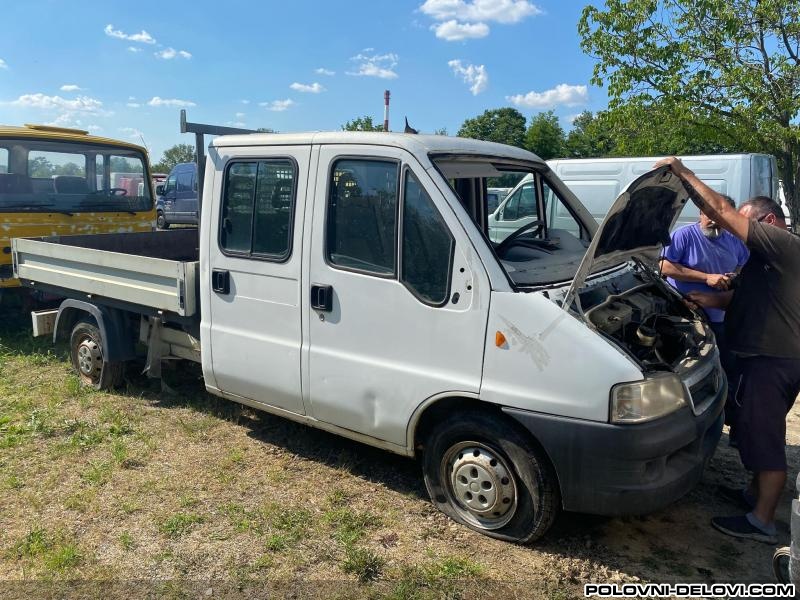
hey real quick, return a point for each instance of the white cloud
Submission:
(170, 53)
(475, 75)
(3, 64)
(375, 65)
(134, 49)
(245, 101)
(324, 71)
(133, 105)
(240, 115)
(70, 87)
(313, 88)
(499, 11)
(94, 128)
(79, 104)
(142, 37)
(236, 124)
(562, 94)
(453, 31)
(157, 101)
(277, 105)
(132, 132)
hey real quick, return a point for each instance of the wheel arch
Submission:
(117, 339)
(428, 413)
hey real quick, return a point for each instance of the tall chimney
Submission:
(386, 96)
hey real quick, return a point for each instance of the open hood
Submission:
(637, 225)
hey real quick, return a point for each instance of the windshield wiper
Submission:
(33, 207)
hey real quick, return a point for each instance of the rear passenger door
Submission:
(255, 253)
(397, 312)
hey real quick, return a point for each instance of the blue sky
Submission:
(124, 70)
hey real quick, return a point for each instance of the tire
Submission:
(86, 352)
(780, 565)
(484, 472)
(161, 221)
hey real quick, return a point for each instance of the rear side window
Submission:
(3, 160)
(362, 215)
(258, 208)
(184, 181)
(427, 245)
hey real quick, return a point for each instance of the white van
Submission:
(553, 370)
(598, 181)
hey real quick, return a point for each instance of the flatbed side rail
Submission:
(166, 285)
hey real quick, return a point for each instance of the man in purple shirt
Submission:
(704, 258)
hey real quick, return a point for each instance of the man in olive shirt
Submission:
(762, 324)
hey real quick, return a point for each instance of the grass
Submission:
(362, 563)
(43, 550)
(179, 524)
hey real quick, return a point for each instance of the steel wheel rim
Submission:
(89, 359)
(480, 484)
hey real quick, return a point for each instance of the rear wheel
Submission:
(483, 472)
(86, 352)
(161, 221)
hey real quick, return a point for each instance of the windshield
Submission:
(70, 177)
(535, 234)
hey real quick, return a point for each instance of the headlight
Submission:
(647, 400)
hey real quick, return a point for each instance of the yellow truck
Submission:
(59, 181)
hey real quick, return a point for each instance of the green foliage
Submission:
(545, 136)
(732, 64)
(179, 153)
(178, 524)
(362, 124)
(502, 125)
(363, 563)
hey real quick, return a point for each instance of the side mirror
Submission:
(160, 190)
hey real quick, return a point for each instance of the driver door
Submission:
(517, 210)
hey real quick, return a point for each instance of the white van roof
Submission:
(414, 143)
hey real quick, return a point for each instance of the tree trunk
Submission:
(789, 171)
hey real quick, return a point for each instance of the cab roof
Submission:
(64, 134)
(415, 143)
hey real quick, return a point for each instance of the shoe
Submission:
(738, 496)
(741, 527)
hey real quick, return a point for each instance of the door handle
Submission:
(322, 297)
(221, 281)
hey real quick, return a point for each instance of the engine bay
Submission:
(650, 323)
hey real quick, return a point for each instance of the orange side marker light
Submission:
(499, 339)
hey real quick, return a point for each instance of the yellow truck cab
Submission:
(58, 181)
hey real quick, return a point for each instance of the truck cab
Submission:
(347, 281)
(177, 197)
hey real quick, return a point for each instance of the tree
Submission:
(179, 153)
(545, 136)
(734, 64)
(502, 125)
(362, 124)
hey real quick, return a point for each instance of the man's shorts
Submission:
(766, 391)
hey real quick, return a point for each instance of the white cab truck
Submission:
(598, 181)
(346, 280)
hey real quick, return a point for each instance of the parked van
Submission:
(598, 182)
(59, 181)
(177, 197)
(345, 280)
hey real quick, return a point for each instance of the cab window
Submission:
(362, 215)
(184, 181)
(521, 204)
(558, 215)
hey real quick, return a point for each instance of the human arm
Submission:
(719, 300)
(680, 272)
(709, 201)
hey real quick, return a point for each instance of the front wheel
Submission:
(86, 352)
(161, 221)
(780, 565)
(483, 472)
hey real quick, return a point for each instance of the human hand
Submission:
(717, 281)
(675, 165)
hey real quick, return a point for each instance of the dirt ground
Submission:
(185, 495)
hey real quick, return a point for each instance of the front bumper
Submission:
(610, 469)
